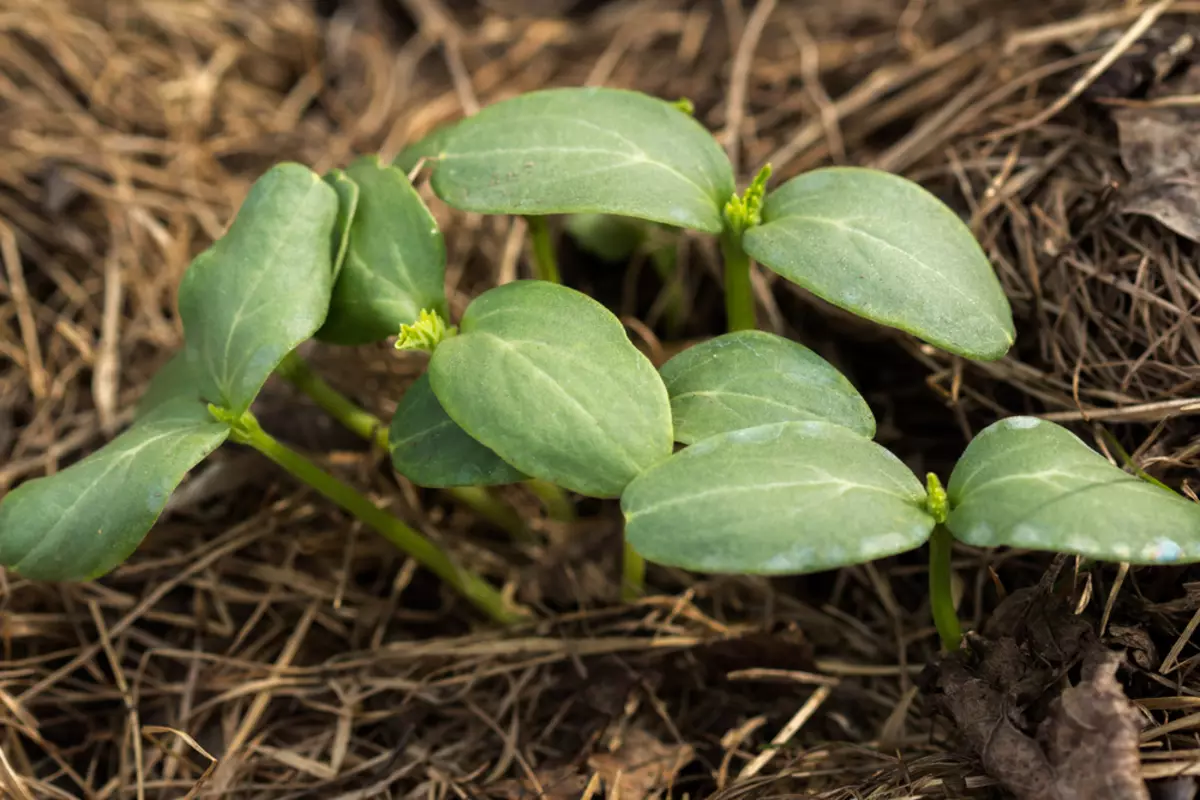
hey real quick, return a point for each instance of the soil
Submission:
(261, 645)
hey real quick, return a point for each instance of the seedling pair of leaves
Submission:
(347, 258)
(867, 241)
(781, 476)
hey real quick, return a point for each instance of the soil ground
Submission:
(260, 645)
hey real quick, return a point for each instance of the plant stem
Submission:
(739, 292)
(633, 574)
(296, 371)
(487, 505)
(471, 586)
(941, 591)
(544, 262)
(558, 505)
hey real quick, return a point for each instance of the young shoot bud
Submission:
(745, 212)
(937, 505)
(243, 426)
(426, 333)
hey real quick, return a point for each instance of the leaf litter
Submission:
(310, 662)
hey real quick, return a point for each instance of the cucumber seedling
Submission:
(305, 256)
(780, 476)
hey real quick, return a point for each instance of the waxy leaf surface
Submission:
(787, 498)
(86, 520)
(884, 248)
(347, 191)
(395, 264)
(751, 378)
(547, 378)
(1031, 484)
(261, 289)
(574, 150)
(431, 450)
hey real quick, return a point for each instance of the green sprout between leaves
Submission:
(425, 334)
(540, 385)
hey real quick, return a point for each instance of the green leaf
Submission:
(751, 378)
(174, 379)
(86, 520)
(787, 498)
(1028, 483)
(606, 236)
(261, 289)
(431, 450)
(395, 265)
(884, 248)
(428, 148)
(347, 191)
(579, 150)
(547, 378)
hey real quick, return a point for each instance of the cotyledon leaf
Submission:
(84, 521)
(577, 150)
(395, 265)
(882, 247)
(546, 377)
(786, 498)
(347, 191)
(262, 288)
(751, 378)
(1029, 483)
(431, 450)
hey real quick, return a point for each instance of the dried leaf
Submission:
(642, 767)
(1160, 148)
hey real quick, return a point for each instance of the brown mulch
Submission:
(260, 645)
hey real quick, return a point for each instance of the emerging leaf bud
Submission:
(426, 333)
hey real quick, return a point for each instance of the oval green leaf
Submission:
(86, 520)
(347, 191)
(787, 498)
(1028, 483)
(751, 378)
(884, 248)
(431, 450)
(546, 377)
(261, 289)
(578, 150)
(395, 264)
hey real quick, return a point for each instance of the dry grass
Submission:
(260, 645)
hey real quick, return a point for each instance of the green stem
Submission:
(633, 574)
(487, 505)
(941, 592)
(545, 263)
(558, 506)
(665, 260)
(296, 371)
(739, 291)
(471, 586)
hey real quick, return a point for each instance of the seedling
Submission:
(304, 257)
(872, 243)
